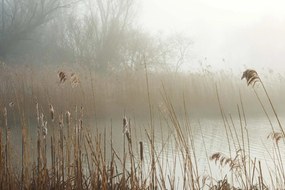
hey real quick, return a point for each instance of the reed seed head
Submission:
(42, 119)
(125, 122)
(74, 79)
(125, 125)
(126, 130)
(38, 112)
(67, 114)
(62, 76)
(45, 130)
(51, 112)
(276, 136)
(251, 77)
(60, 120)
(11, 104)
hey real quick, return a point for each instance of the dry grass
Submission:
(105, 95)
(55, 115)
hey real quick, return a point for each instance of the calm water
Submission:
(208, 136)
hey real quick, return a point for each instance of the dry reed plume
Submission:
(74, 79)
(251, 77)
(69, 157)
(61, 76)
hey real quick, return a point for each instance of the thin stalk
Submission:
(242, 108)
(264, 110)
(243, 148)
(261, 176)
(152, 128)
(207, 156)
(274, 111)
(6, 145)
(223, 117)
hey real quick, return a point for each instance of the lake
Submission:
(205, 136)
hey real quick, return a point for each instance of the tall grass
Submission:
(64, 146)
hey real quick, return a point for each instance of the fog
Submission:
(142, 94)
(230, 34)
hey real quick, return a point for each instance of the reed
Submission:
(73, 153)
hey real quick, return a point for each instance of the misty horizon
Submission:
(230, 34)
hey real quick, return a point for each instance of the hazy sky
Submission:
(245, 33)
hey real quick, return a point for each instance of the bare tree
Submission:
(20, 18)
(98, 34)
(179, 51)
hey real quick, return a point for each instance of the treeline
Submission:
(102, 34)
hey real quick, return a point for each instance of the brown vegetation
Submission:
(59, 149)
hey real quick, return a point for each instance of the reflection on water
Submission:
(205, 136)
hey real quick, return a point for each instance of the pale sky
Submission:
(245, 33)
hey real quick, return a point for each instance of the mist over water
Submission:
(227, 34)
(171, 69)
